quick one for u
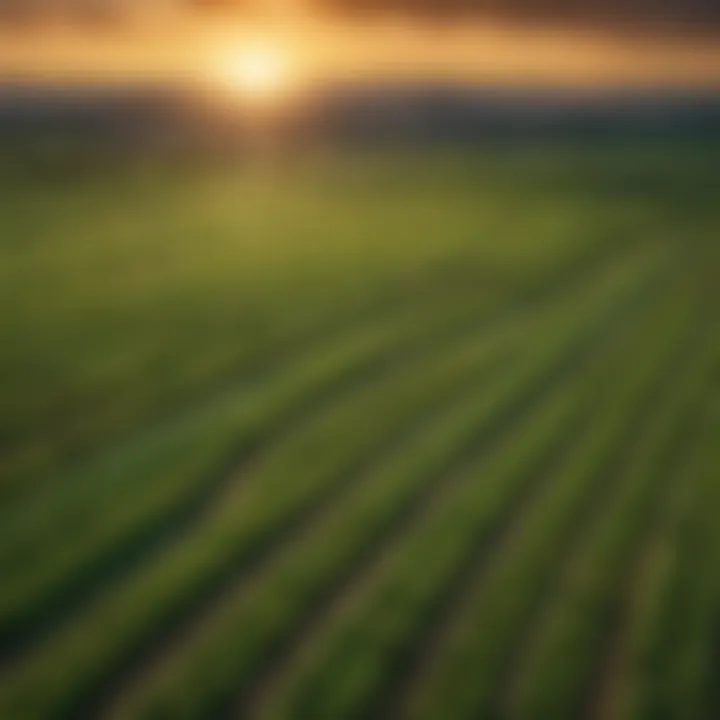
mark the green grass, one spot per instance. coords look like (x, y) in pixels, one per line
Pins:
(419, 435)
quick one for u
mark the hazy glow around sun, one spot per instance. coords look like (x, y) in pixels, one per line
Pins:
(256, 70)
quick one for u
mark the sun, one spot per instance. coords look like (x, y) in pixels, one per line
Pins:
(257, 71)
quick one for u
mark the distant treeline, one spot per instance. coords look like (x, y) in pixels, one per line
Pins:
(153, 118)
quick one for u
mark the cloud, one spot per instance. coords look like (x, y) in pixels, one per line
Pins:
(674, 16)
(667, 14)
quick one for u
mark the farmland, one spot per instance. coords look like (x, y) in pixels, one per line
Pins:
(424, 434)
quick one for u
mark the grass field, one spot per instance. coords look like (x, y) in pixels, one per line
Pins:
(424, 435)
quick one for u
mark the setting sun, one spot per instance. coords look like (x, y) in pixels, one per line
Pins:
(258, 71)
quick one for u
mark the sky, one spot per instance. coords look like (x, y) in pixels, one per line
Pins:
(671, 15)
(580, 42)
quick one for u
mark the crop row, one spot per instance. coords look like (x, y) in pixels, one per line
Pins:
(556, 670)
(375, 641)
(489, 621)
(228, 539)
(214, 651)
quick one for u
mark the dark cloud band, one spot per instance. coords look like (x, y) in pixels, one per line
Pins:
(669, 15)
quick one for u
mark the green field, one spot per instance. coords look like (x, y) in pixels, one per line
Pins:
(412, 435)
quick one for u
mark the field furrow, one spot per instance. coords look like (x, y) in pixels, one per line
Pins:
(238, 610)
(375, 674)
(411, 433)
(98, 542)
(230, 537)
(554, 670)
(678, 657)
(182, 472)
(479, 630)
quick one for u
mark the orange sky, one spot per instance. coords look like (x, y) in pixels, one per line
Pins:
(319, 49)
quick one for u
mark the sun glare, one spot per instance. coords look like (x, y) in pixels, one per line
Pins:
(258, 72)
